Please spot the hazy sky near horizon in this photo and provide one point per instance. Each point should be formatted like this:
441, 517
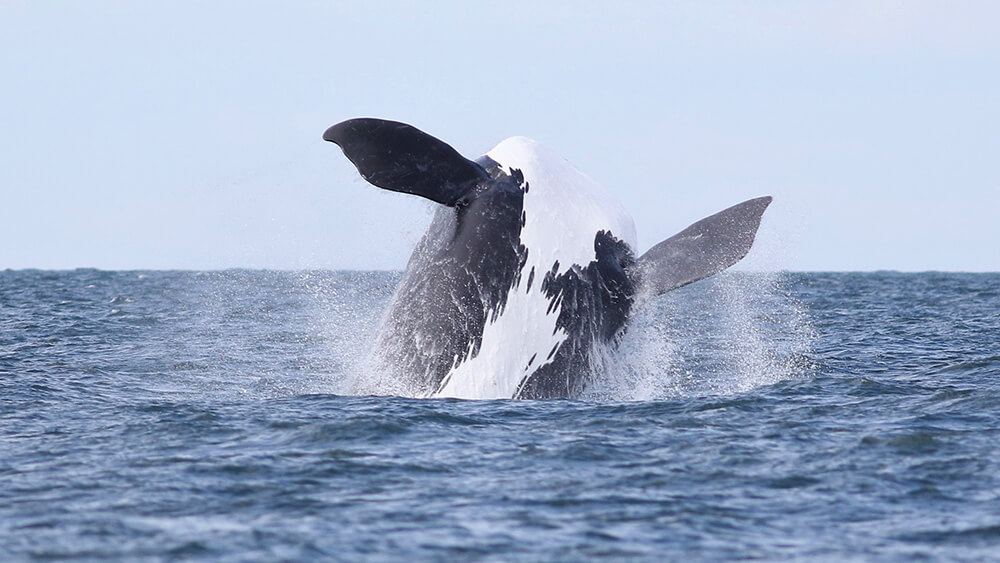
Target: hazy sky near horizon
188, 134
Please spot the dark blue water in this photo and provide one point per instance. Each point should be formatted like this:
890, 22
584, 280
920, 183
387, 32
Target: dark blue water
162, 415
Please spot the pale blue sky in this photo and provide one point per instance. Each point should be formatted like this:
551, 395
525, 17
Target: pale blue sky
187, 134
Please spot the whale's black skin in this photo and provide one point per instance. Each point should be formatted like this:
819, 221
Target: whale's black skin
460, 273
463, 271
596, 301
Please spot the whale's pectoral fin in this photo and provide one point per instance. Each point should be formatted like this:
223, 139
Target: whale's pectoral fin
399, 157
703, 249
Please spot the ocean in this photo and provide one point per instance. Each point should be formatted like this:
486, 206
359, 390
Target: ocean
155, 415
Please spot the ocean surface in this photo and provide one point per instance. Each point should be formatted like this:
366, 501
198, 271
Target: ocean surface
207, 415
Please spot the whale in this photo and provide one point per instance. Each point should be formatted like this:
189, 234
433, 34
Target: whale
528, 274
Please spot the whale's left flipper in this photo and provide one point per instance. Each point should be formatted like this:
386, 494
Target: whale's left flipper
703, 249
399, 157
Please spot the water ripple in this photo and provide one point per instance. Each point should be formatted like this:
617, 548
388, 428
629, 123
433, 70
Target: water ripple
160, 415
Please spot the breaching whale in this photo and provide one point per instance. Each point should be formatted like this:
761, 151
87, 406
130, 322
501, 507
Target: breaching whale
527, 274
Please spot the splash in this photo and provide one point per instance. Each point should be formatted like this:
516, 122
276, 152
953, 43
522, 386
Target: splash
346, 310
729, 334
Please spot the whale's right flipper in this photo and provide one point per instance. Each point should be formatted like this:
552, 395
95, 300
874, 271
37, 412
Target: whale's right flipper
703, 249
399, 157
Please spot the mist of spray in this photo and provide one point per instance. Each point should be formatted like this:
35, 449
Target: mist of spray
732, 333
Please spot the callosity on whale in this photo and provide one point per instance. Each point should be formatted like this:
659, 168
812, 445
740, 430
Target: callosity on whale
528, 272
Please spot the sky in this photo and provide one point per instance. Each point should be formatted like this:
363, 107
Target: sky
187, 135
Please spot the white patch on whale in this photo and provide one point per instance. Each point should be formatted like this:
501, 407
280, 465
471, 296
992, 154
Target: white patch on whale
564, 210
